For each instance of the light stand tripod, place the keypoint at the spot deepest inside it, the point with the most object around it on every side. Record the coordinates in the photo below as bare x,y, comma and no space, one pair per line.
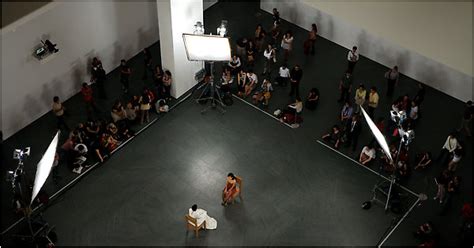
214,97
406,138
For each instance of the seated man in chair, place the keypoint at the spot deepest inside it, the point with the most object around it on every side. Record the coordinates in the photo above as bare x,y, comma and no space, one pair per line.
201,216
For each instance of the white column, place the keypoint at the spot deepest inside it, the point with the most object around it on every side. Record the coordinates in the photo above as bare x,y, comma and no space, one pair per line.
176,17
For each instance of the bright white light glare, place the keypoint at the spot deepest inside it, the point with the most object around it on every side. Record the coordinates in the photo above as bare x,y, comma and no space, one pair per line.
207,47
378,135
44,167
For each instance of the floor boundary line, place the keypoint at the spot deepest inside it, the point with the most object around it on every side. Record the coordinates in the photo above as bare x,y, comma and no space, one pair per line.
53,196
369,169
257,108
399,222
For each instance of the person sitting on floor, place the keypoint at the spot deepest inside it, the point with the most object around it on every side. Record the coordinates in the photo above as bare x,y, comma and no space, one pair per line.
423,160
81,155
334,136
403,169
118,112
201,216
226,81
251,83
387,163
426,233
290,114
162,107
242,80
131,112
367,154
234,65
313,99
264,93
230,190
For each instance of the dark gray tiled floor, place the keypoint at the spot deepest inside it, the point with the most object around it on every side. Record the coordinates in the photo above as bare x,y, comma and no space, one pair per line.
297,192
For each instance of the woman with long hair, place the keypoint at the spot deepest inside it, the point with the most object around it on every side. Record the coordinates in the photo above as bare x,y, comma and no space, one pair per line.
230,190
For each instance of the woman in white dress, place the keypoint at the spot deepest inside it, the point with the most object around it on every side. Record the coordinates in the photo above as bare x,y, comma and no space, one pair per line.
201,215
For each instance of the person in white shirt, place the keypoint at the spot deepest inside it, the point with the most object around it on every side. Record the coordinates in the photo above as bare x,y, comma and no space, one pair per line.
453,164
264,94
270,59
252,82
201,216
283,75
352,58
367,154
234,65
414,111
449,146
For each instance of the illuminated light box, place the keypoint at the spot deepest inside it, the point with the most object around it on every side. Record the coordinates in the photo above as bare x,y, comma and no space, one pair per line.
207,47
378,135
44,167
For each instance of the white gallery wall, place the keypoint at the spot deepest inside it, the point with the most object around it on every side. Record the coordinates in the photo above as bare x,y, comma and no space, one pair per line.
178,17
82,30
430,41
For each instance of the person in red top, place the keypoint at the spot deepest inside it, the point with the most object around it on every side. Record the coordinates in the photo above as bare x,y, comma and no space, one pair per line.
87,95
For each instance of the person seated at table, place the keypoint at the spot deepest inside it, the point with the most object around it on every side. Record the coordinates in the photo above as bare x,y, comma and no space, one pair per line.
334,136
201,216
230,190
313,99
264,93
423,160
367,155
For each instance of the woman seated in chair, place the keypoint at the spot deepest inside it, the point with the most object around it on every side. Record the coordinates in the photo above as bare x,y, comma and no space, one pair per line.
334,136
264,94
201,216
230,191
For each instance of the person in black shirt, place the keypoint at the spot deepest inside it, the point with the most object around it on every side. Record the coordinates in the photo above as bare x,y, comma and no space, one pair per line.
295,77
276,16
420,95
100,77
466,122
345,86
148,63
353,129
125,72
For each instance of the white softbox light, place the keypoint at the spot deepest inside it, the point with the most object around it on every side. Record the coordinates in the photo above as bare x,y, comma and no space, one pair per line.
378,135
207,47
44,167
